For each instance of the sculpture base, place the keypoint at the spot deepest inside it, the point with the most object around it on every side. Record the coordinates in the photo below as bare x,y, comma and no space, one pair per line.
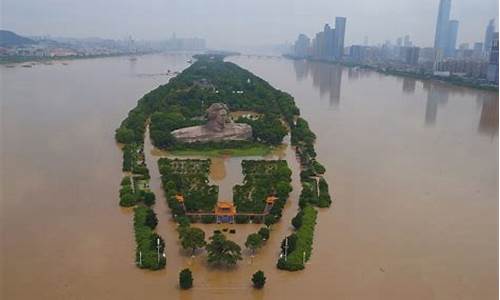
231,132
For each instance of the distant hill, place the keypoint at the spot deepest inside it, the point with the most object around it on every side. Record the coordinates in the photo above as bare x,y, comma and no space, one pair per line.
10,39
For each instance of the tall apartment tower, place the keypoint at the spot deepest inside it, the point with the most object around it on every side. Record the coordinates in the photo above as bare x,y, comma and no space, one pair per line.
451,38
443,19
488,36
339,37
492,73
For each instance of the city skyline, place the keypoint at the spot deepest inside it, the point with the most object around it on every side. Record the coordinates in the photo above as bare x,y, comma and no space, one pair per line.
258,23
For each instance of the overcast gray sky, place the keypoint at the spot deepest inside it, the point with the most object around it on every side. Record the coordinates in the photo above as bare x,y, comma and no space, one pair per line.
227,23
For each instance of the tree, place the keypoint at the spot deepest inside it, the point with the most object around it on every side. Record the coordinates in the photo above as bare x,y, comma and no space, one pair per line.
223,251
186,279
264,233
128,200
151,219
297,220
269,220
254,242
124,135
258,279
149,198
192,238
183,220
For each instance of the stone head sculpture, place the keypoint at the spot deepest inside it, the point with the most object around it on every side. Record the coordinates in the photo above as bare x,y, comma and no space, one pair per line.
217,116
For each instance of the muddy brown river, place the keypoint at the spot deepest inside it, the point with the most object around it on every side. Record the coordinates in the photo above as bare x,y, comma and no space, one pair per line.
412,166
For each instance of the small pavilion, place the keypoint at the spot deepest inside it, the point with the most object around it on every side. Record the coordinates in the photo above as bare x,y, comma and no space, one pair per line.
180,199
270,200
225,212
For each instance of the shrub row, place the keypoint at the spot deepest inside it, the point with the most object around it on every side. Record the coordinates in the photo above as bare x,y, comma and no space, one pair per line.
132,193
150,246
314,186
324,194
134,190
300,247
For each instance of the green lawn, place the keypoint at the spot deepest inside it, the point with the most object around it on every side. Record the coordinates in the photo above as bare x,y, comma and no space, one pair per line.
255,150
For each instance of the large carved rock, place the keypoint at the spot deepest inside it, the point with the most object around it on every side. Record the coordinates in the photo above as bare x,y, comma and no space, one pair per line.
217,117
218,128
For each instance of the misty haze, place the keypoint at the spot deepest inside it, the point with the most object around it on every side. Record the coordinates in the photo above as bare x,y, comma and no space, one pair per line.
249,149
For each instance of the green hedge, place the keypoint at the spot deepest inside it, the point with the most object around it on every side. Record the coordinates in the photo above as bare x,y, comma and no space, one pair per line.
305,235
324,194
146,240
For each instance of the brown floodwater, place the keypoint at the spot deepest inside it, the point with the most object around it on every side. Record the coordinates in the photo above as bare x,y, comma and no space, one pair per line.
412,165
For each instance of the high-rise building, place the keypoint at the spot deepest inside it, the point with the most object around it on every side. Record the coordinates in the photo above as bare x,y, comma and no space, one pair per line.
488,36
407,42
399,42
477,50
339,37
443,18
412,54
492,74
451,41
301,46
329,35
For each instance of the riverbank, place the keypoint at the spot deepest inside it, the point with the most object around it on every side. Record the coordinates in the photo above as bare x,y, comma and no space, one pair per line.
454,80
24,59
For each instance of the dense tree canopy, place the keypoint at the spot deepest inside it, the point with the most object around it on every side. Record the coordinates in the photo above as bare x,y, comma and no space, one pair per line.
183,102
222,251
192,238
258,279
254,241
186,279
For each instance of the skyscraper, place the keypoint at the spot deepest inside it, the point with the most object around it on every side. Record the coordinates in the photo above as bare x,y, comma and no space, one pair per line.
407,42
488,36
443,18
451,38
399,41
301,46
492,74
477,50
411,55
329,34
339,37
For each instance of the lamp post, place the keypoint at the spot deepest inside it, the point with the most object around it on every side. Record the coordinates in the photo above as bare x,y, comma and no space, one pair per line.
158,249
286,247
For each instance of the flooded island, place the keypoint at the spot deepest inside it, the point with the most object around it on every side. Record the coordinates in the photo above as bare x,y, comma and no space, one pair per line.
193,112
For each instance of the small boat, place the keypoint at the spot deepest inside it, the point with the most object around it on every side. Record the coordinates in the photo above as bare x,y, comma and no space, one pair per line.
10,66
26,66
190,61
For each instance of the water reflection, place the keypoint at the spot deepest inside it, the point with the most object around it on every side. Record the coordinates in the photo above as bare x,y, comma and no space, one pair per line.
437,95
409,85
327,77
488,122
301,69
353,73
